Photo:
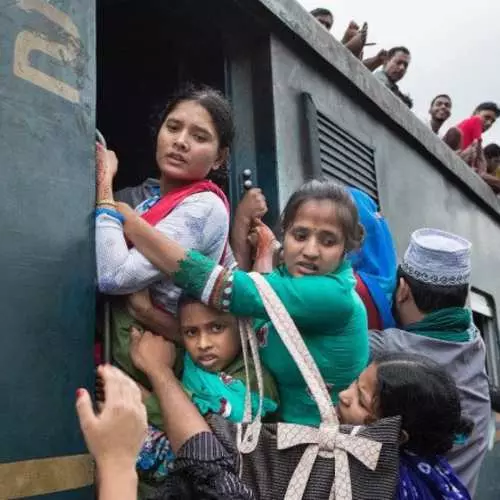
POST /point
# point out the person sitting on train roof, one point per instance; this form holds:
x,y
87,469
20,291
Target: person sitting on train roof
x,y
323,16
394,70
429,307
463,135
354,38
427,400
320,225
203,469
213,374
439,111
492,174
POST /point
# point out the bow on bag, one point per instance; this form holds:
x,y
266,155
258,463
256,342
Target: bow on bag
x,y
326,441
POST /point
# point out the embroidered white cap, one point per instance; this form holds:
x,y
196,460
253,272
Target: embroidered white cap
x,y
438,258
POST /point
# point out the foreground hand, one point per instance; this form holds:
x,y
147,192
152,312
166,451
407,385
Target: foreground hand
x,y
114,437
151,353
253,205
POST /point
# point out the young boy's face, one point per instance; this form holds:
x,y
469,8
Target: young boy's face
x,y
210,337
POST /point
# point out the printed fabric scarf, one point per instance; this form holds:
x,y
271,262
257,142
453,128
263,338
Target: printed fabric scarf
x,y
451,324
223,393
421,479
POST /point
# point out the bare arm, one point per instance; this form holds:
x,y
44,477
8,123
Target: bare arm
x,y
140,306
492,180
115,435
373,63
161,251
252,206
155,357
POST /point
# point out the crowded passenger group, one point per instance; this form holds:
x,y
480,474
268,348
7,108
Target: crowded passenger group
x,y
218,321
463,136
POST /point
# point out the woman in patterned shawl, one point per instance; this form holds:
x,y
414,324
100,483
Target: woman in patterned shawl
x,y
427,400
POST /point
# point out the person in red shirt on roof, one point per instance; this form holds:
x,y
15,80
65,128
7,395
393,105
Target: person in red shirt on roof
x,y
463,135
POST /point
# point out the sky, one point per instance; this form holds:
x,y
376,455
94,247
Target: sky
x,y
455,47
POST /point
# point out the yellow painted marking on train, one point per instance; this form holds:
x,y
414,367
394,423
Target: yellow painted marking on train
x,y
44,476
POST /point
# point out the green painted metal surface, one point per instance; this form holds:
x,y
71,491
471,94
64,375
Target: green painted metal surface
x,y
46,199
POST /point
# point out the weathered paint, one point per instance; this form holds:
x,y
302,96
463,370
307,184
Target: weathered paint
x,y
46,199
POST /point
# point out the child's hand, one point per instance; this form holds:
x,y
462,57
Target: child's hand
x,y
114,436
151,353
252,206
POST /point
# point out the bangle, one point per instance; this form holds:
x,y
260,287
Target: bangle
x,y
112,213
106,202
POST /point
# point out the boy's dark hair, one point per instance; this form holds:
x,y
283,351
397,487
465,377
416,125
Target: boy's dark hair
x,y
491,151
321,11
446,96
426,398
392,52
346,210
488,106
429,298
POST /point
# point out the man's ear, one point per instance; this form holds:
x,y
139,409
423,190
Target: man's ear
x,y
403,291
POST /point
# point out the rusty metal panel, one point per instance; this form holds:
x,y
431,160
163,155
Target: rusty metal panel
x,y
47,122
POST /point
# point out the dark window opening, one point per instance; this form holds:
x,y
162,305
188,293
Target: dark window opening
x,y
145,51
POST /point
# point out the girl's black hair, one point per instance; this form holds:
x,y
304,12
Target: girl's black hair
x,y
425,397
218,108
347,212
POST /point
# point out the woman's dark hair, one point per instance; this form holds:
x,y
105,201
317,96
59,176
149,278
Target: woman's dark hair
x,y
218,108
425,397
346,210
430,298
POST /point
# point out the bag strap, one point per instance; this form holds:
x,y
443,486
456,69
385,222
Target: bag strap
x,y
297,348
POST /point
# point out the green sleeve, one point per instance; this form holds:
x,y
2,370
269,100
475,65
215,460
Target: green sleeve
x,y
310,300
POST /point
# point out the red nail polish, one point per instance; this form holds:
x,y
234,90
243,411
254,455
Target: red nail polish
x,y
79,393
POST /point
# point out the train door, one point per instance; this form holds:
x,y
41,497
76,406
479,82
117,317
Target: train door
x,y
147,49
47,83
484,318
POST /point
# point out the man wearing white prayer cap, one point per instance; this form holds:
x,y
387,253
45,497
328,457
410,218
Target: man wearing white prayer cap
x,y
429,307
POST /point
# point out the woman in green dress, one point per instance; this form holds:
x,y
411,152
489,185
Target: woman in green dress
x,y
315,283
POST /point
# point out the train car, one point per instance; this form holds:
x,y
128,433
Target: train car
x,y
303,106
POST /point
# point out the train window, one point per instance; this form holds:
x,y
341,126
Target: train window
x,y
338,155
484,318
